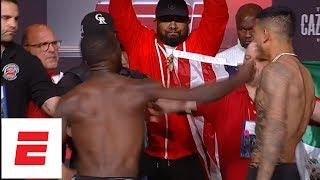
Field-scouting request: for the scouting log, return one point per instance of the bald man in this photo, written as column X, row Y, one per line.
column 284, row 98
column 40, row 41
column 245, row 20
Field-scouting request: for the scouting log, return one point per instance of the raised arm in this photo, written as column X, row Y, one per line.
column 275, row 92
column 213, row 23
column 129, row 28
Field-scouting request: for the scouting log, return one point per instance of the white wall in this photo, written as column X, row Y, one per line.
column 64, row 17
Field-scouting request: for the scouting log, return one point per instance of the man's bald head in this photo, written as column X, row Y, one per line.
column 41, row 41
column 31, row 32
column 245, row 20
column 247, row 10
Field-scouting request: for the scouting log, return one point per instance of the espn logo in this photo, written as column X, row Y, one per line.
column 21, row 153
column 31, row 148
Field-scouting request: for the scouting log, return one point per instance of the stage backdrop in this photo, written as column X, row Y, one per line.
column 307, row 36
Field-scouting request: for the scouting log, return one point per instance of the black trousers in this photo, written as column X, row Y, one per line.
column 283, row 171
column 186, row 168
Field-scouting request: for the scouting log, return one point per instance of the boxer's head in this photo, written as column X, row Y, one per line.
column 101, row 50
column 274, row 25
column 96, row 22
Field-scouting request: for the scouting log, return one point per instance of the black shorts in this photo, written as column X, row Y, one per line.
column 283, row 171
column 78, row 177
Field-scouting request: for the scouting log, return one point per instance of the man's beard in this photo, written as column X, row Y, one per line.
column 172, row 41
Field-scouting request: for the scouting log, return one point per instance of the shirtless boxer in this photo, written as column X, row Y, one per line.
column 284, row 98
column 105, row 114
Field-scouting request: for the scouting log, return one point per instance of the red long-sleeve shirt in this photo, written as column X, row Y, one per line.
column 227, row 116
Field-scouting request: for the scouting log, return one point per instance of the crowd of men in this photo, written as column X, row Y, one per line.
column 201, row 120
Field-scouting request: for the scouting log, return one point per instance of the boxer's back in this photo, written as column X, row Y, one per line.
column 107, row 126
column 300, row 104
column 297, row 104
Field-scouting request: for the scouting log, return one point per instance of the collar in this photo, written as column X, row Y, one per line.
column 52, row 72
column 240, row 47
column 10, row 50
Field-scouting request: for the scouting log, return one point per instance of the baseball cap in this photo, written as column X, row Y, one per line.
column 172, row 8
column 96, row 22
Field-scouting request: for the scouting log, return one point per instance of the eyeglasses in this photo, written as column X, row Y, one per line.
column 45, row 46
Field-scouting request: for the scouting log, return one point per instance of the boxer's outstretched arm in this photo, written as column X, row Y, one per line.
column 274, row 86
column 205, row 93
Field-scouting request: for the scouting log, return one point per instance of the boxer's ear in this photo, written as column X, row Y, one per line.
column 266, row 35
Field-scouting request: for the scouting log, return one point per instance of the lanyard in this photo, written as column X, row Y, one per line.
column 158, row 48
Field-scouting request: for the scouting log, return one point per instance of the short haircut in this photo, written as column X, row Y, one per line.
column 282, row 18
column 12, row 1
column 99, row 47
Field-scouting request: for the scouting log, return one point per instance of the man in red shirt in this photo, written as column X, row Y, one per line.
column 229, row 116
column 175, row 143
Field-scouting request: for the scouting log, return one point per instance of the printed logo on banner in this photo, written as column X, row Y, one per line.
column 310, row 24
column 32, row 148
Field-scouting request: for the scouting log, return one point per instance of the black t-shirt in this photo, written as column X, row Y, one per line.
column 23, row 78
